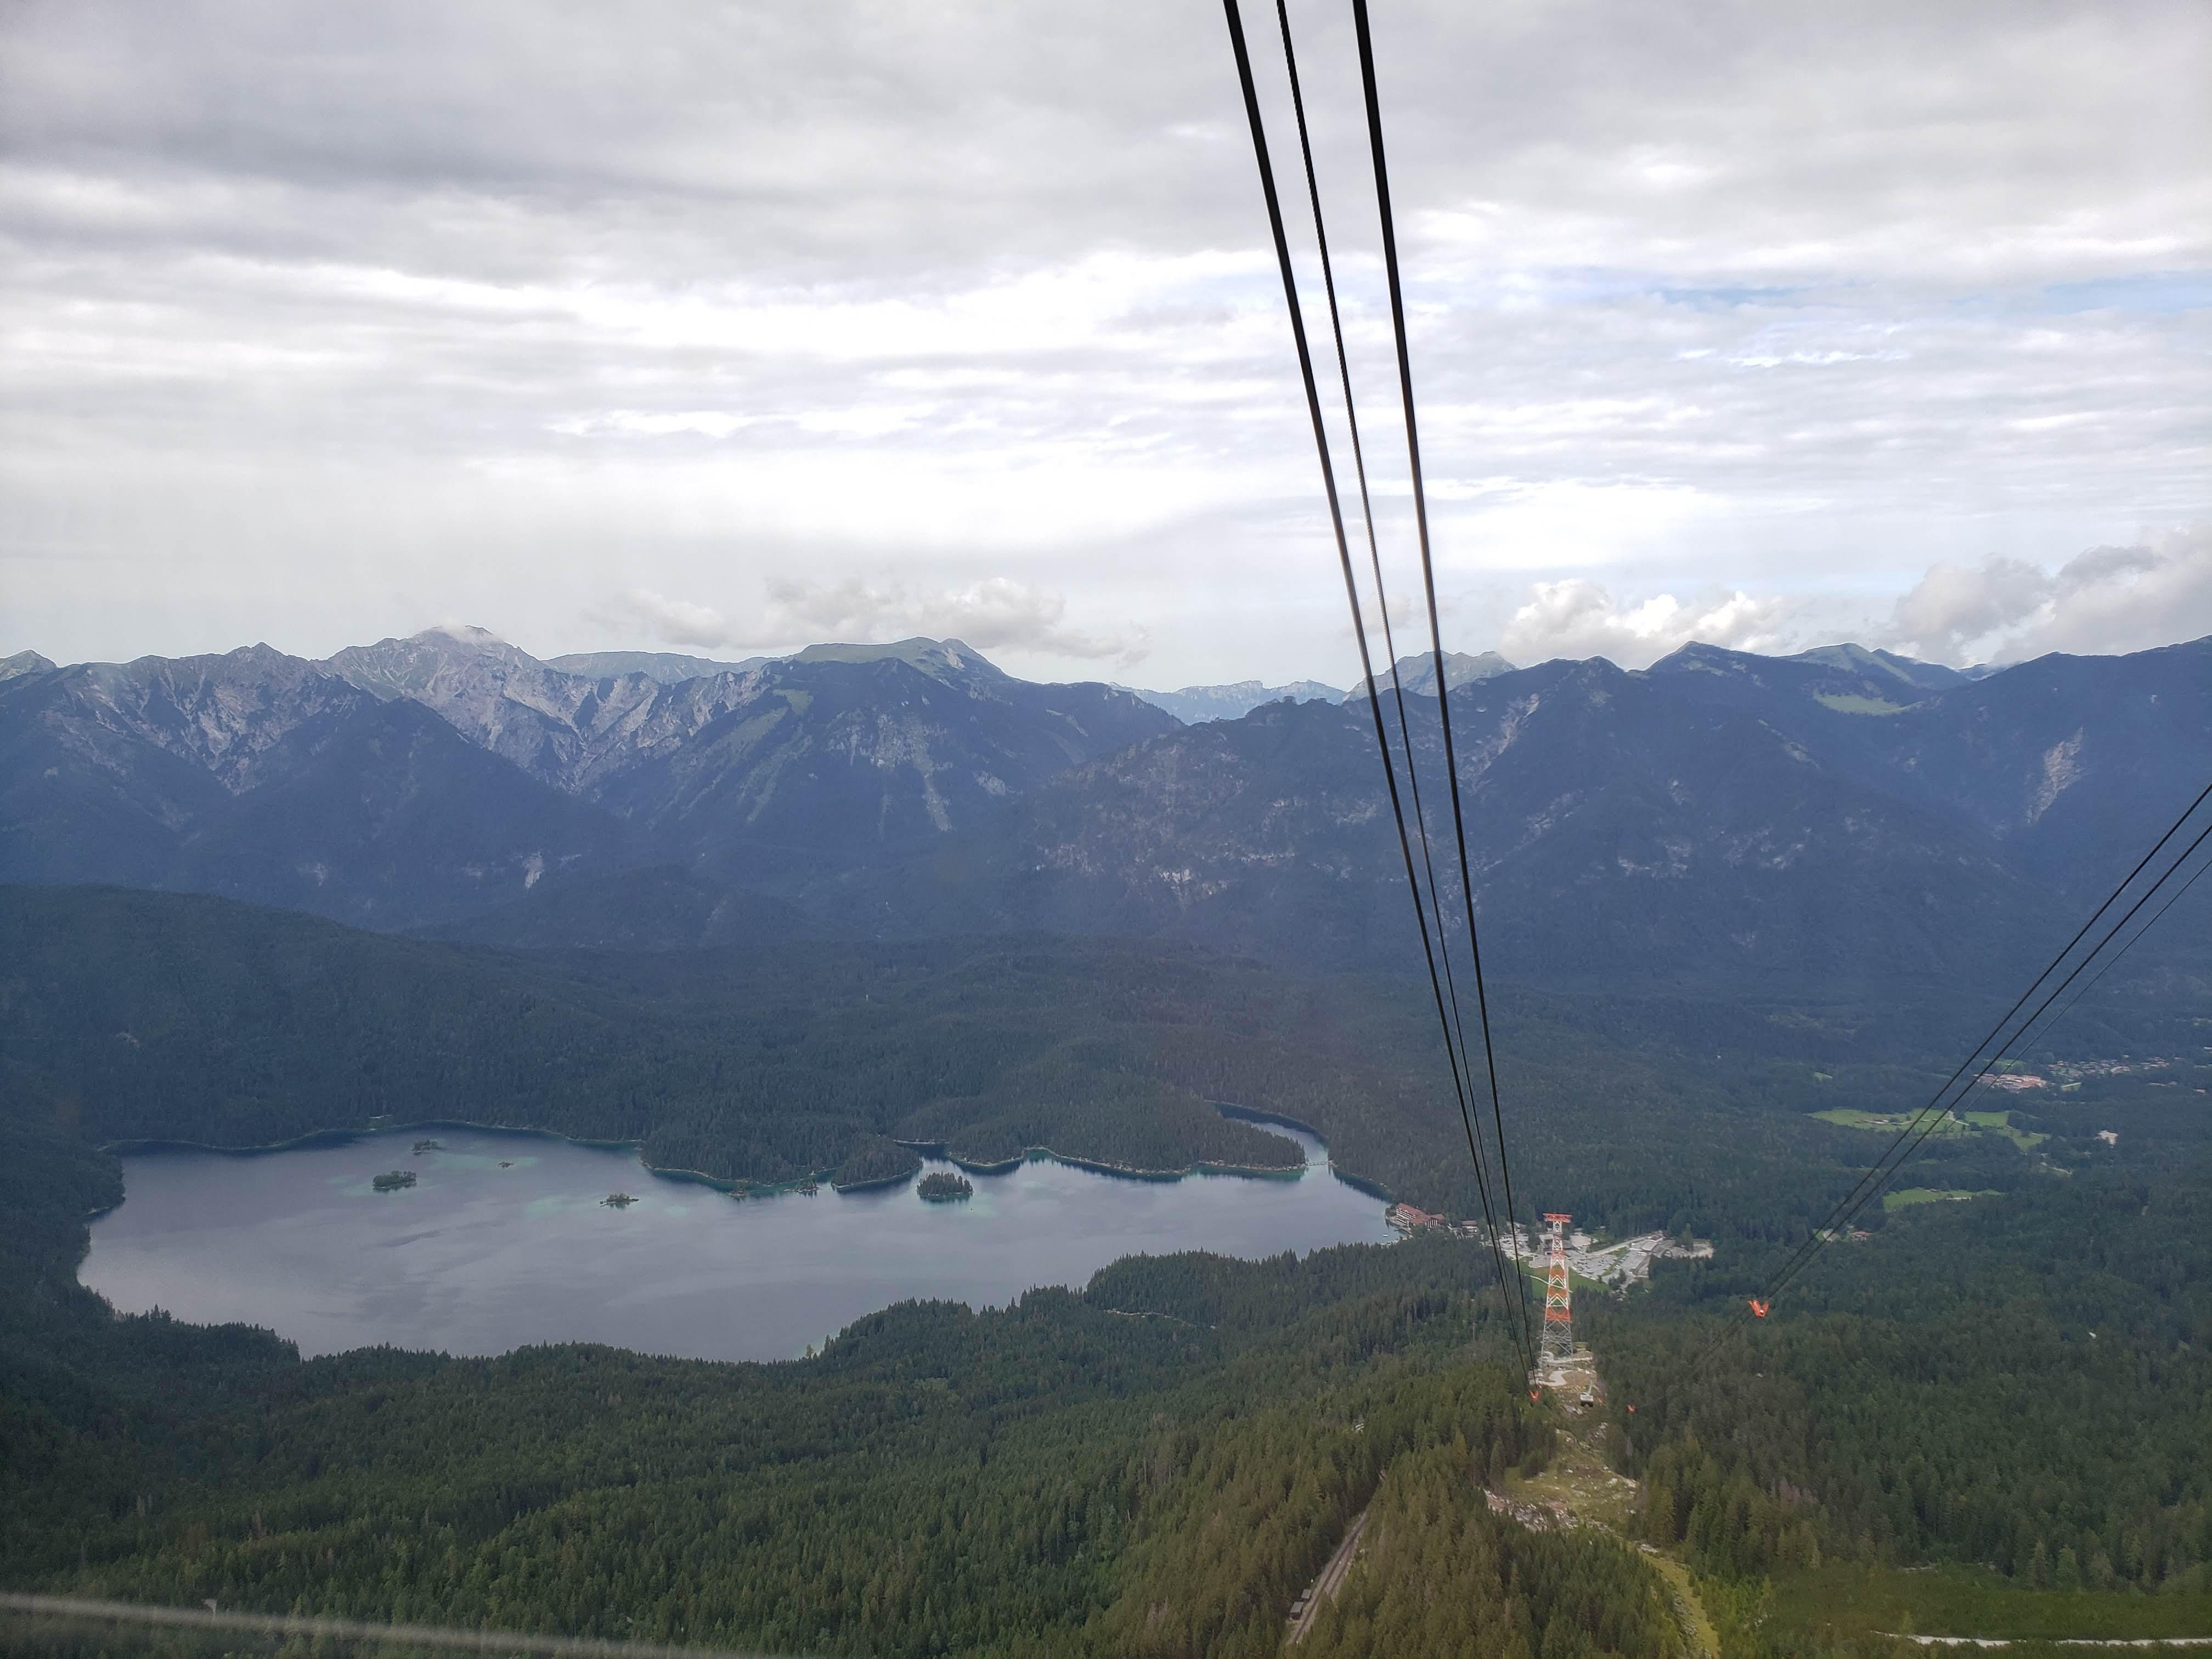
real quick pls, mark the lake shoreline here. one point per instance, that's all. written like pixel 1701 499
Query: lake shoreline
pixel 508 1255
pixel 749 1186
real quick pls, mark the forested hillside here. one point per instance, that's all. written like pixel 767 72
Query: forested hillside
pixel 1158 1464
pixel 175 1018
pixel 1076 1474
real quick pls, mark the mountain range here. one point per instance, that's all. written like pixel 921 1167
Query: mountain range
pixel 1195 704
pixel 1844 822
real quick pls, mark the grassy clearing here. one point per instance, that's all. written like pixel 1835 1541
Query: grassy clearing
pixel 2026 1139
pixel 1849 705
pixel 1905 1197
pixel 1847 1599
pixel 1961 1123
pixel 1852 1118
pixel 1579 1477
pixel 1689 1609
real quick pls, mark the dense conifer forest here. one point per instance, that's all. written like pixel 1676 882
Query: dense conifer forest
pixel 163 1016
pixel 1992 1412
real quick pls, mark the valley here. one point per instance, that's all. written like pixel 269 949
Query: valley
pixel 457 1352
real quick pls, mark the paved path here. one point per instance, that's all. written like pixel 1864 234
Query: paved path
pixel 1331 1579
pixel 2063 1641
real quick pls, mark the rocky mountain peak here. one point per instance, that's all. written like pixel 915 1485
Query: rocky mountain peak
pixel 1416 672
pixel 953 661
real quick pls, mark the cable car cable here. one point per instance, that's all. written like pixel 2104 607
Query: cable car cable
pixel 2112 899
pixel 1428 571
pixel 1390 651
pixel 1336 515
pixel 2020 1035
pixel 1881 1178
pixel 2125 948
pixel 1934 1121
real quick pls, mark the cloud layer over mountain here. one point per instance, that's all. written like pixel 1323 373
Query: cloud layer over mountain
pixel 2105 600
pixel 325 323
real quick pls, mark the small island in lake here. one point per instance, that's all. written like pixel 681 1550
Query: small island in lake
pixel 939 1188
pixel 392 1180
pixel 429 1146
pixel 618 1200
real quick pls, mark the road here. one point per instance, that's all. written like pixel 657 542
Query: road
pixel 1331 1579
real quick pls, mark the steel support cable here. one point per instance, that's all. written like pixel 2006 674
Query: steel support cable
pixel 1813 1247
pixel 2020 1035
pixel 1881 1178
pixel 1428 577
pixel 1847 1202
pixel 1367 506
pixel 1844 1214
pixel 2091 984
pixel 1336 519
pixel 1389 641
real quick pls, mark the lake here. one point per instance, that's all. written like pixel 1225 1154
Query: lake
pixel 503 1241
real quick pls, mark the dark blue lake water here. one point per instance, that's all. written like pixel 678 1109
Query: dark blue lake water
pixel 504 1241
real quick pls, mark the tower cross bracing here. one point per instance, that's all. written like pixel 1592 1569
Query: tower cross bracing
pixel 1558 1296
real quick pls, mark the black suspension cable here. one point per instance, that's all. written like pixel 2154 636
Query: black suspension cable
pixel 1854 1204
pixel 2091 984
pixel 1878 1177
pixel 1336 511
pixel 1429 574
pixel 1847 1202
pixel 1390 646
pixel 2020 1035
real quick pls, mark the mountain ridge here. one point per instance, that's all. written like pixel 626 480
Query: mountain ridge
pixel 1193 703
pixel 1719 817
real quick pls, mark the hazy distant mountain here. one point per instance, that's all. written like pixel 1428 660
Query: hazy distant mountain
pixel 1195 704
pixel 23 662
pixel 390 816
pixel 255 774
pixel 1842 818
pixel 848 753
pixel 669 667
pixel 1418 673
pixel 1720 819
pixel 318 785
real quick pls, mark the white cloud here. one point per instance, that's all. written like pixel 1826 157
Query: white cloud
pixel 996 614
pixel 2109 599
pixel 1579 618
pixel 675 622
pixel 483 301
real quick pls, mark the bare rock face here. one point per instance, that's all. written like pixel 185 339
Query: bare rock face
pixel 226 712
pixel 1721 819
pixel 557 727
pixel 264 775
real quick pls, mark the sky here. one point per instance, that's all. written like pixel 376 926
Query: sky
pixel 725 329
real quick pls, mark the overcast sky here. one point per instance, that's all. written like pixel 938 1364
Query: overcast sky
pixel 728 328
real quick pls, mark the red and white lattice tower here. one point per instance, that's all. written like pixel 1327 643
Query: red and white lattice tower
pixel 1558 1309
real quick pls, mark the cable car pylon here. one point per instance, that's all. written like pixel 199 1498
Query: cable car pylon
pixel 1558 1348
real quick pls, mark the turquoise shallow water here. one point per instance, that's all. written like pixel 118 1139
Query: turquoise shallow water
pixel 503 1242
